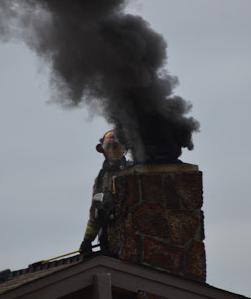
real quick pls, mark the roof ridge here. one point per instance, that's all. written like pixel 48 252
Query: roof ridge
pixel 7 274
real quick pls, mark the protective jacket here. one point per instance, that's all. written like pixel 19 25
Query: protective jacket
pixel 100 213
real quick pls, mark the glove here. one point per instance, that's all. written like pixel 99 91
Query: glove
pixel 86 247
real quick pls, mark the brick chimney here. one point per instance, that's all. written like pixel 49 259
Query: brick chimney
pixel 158 219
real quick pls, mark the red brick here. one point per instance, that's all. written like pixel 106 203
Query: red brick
pixel 150 218
pixel 152 187
pixel 172 198
pixel 114 239
pixel 130 251
pixel 158 221
pixel 160 187
pixel 162 255
pixel 196 261
pixel 189 189
pixel 132 191
pixel 182 226
pixel 130 245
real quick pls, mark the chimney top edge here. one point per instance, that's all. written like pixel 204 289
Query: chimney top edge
pixel 159 168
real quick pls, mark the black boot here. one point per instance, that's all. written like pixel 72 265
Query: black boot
pixel 103 241
pixel 86 247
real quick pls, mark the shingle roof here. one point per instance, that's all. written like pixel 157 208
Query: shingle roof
pixel 26 277
pixel 11 280
pixel 72 274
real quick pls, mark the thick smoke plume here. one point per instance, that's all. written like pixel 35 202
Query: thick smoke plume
pixel 99 53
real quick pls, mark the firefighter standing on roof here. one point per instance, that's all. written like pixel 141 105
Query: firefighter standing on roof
pixel 103 193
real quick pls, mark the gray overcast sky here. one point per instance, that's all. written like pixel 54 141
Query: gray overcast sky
pixel 48 158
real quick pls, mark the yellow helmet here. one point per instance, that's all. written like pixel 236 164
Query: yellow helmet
pixel 110 146
pixel 108 137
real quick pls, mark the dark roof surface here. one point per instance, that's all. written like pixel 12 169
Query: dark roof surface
pixel 15 279
pixel 75 273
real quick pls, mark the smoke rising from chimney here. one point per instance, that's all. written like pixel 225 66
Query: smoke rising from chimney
pixel 96 52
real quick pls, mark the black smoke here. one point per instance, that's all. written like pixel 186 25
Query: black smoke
pixel 99 54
